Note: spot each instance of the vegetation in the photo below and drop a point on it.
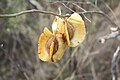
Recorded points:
(91, 60)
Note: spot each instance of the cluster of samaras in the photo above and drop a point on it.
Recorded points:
(67, 32)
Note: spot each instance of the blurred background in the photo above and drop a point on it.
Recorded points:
(90, 60)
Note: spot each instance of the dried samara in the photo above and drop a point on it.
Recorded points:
(66, 32)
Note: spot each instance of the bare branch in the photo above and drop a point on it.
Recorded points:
(54, 14)
(67, 62)
(112, 35)
(114, 63)
(103, 14)
(82, 10)
(16, 64)
(87, 2)
(67, 7)
(109, 8)
(28, 11)
(54, 2)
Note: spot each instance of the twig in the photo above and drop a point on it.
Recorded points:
(16, 64)
(28, 11)
(82, 10)
(54, 2)
(93, 70)
(103, 14)
(112, 35)
(109, 8)
(61, 71)
(67, 7)
(87, 2)
(114, 63)
(54, 14)
(74, 11)
(25, 74)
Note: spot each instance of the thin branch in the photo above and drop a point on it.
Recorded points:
(25, 74)
(114, 63)
(67, 7)
(95, 6)
(112, 35)
(82, 10)
(93, 70)
(78, 2)
(67, 62)
(16, 64)
(54, 14)
(103, 14)
(109, 8)
(74, 11)
(28, 11)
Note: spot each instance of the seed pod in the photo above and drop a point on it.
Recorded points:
(58, 25)
(51, 47)
(69, 32)
(66, 32)
(58, 28)
(79, 31)
(73, 28)
(43, 53)
(62, 46)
